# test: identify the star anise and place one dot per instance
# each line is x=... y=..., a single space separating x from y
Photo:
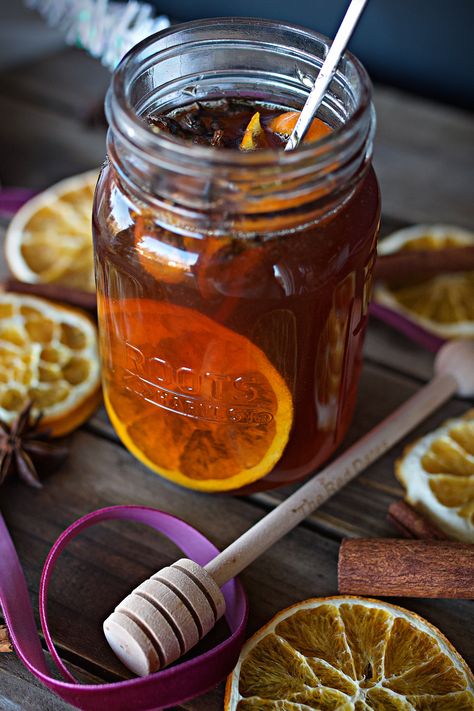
x=24 y=448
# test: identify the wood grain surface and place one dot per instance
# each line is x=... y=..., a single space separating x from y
x=50 y=128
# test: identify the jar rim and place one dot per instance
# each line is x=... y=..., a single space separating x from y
x=123 y=117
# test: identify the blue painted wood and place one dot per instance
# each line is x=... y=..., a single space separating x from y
x=424 y=46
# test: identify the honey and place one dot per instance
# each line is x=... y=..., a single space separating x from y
x=232 y=319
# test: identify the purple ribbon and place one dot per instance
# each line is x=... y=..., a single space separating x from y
x=11 y=199
x=165 y=688
x=409 y=329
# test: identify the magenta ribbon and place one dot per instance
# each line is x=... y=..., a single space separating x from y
x=165 y=688
x=11 y=199
x=404 y=325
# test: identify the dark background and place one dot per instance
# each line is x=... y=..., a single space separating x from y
x=423 y=46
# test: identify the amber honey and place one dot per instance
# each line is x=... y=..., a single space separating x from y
x=233 y=278
x=232 y=360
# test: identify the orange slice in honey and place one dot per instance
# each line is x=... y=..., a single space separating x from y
x=194 y=401
x=172 y=258
x=254 y=136
x=167 y=261
x=285 y=123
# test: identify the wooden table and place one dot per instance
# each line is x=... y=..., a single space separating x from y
x=424 y=158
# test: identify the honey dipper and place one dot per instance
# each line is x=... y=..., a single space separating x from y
x=171 y=611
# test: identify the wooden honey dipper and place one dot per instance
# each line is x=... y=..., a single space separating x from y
x=170 y=612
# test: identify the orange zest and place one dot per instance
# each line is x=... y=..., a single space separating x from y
x=194 y=401
x=254 y=136
x=282 y=125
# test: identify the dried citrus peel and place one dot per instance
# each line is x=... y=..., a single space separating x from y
x=254 y=136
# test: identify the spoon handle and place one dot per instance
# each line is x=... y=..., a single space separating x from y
x=326 y=72
x=321 y=487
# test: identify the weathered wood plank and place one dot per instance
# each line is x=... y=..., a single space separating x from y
x=360 y=508
x=424 y=154
x=105 y=562
x=68 y=82
x=114 y=558
x=21 y=691
x=39 y=147
x=346 y=516
x=386 y=347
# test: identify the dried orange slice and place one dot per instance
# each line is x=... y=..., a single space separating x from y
x=349 y=654
x=437 y=472
x=50 y=238
x=285 y=123
x=443 y=305
x=191 y=399
x=48 y=354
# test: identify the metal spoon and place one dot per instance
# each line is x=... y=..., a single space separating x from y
x=326 y=73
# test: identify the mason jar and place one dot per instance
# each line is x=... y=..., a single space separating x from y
x=233 y=286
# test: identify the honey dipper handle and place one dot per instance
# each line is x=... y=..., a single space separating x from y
x=321 y=487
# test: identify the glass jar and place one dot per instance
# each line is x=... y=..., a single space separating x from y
x=233 y=287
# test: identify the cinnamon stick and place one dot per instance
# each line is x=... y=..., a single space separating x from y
x=407 y=568
x=411 y=524
x=55 y=292
x=413 y=265
x=5 y=644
